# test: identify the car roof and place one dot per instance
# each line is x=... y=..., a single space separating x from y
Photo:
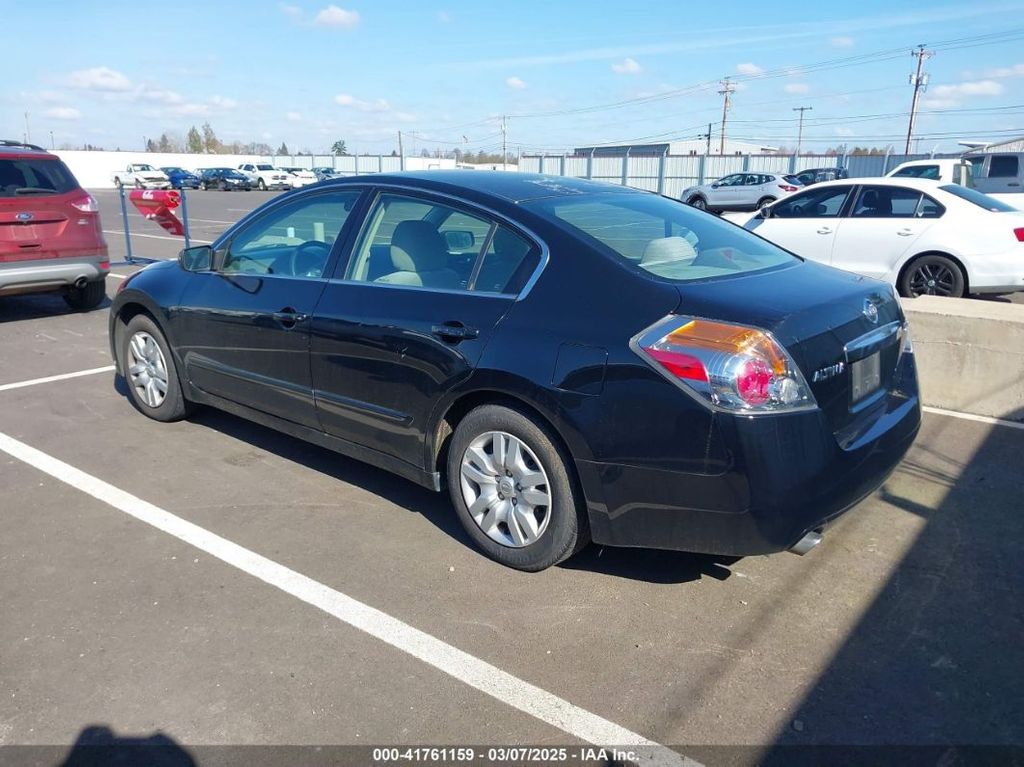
x=923 y=184
x=25 y=151
x=509 y=186
x=935 y=161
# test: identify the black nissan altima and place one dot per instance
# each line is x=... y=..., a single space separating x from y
x=572 y=361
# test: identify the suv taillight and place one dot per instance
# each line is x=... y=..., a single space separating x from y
x=86 y=204
x=734 y=367
x=788 y=187
x=1020 y=234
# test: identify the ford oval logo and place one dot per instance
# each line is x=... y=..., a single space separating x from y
x=24 y=217
x=870 y=311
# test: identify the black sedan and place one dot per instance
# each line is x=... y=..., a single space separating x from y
x=573 y=361
x=224 y=179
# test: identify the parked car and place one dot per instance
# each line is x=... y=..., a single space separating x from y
x=301 y=176
x=324 y=173
x=265 y=176
x=950 y=171
x=181 y=178
x=571 y=360
x=141 y=175
x=224 y=179
x=1000 y=174
x=924 y=237
x=817 y=175
x=740 y=191
x=51 y=238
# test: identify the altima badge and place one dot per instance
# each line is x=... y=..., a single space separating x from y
x=829 y=371
x=870 y=311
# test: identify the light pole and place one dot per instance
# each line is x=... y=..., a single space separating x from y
x=800 y=131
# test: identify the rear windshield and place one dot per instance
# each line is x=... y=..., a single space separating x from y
x=25 y=177
x=663 y=237
x=979 y=199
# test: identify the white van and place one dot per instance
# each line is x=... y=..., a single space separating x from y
x=950 y=171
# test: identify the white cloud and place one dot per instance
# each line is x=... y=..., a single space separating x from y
x=627 y=66
x=515 y=84
x=100 y=79
x=842 y=41
x=942 y=96
x=293 y=117
x=222 y=103
x=266 y=135
x=333 y=16
x=161 y=96
x=348 y=100
x=1017 y=70
x=290 y=10
x=749 y=69
x=344 y=99
x=444 y=17
x=796 y=88
x=191 y=108
x=63 y=113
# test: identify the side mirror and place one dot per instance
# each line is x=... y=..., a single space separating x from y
x=197 y=259
x=715 y=185
x=459 y=240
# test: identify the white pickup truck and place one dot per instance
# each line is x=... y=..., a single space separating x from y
x=265 y=176
x=142 y=176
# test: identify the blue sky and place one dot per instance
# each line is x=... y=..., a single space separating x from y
x=308 y=72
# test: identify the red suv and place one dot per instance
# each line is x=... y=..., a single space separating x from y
x=50 y=233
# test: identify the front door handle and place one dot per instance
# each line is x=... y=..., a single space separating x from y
x=288 y=318
x=905 y=232
x=825 y=230
x=454 y=331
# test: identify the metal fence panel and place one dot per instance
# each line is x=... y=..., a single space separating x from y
x=607 y=168
x=390 y=164
x=576 y=166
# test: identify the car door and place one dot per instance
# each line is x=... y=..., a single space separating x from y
x=806 y=222
x=749 y=191
x=408 y=317
x=884 y=223
x=722 y=193
x=243 y=329
x=1004 y=174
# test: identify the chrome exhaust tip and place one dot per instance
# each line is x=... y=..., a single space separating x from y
x=805 y=544
x=81 y=282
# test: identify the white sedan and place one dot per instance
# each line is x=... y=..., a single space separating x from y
x=923 y=237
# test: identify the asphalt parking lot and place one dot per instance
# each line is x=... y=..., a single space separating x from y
x=208 y=580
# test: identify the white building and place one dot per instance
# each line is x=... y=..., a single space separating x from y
x=694 y=146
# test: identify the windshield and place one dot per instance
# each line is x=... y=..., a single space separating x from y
x=662 y=237
x=19 y=178
x=264 y=167
x=172 y=170
x=979 y=199
x=234 y=174
x=142 y=167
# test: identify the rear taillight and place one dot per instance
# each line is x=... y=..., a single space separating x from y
x=734 y=367
x=86 y=204
x=1020 y=234
x=788 y=187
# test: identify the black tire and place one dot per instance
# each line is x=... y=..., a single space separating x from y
x=117 y=183
x=204 y=186
x=89 y=297
x=261 y=186
x=933 y=275
x=566 y=530
x=138 y=184
x=174 y=406
x=764 y=201
x=698 y=202
x=223 y=186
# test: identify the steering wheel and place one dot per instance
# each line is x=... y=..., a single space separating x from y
x=309 y=259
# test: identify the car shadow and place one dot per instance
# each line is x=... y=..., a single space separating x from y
x=39 y=305
x=98 y=746
x=651 y=566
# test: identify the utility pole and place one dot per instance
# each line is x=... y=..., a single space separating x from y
x=800 y=131
x=401 y=152
x=920 y=82
x=504 y=139
x=708 y=135
x=28 y=133
x=51 y=141
x=727 y=90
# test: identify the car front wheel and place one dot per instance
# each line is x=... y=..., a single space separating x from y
x=261 y=185
x=699 y=203
x=149 y=370
x=512 y=489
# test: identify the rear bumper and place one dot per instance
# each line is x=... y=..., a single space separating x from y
x=788 y=475
x=50 y=274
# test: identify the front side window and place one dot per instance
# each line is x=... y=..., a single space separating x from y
x=919 y=171
x=823 y=202
x=1004 y=166
x=734 y=180
x=661 y=237
x=294 y=240
x=887 y=202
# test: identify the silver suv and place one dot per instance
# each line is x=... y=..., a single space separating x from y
x=740 y=191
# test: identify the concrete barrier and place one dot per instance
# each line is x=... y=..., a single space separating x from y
x=970 y=354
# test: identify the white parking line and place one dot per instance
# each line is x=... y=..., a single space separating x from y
x=62 y=377
x=118 y=276
x=972 y=417
x=156 y=236
x=476 y=673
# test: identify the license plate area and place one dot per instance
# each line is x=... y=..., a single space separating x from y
x=865 y=377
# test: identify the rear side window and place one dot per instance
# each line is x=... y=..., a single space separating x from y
x=662 y=237
x=979 y=199
x=887 y=202
x=1004 y=166
x=27 y=177
x=823 y=202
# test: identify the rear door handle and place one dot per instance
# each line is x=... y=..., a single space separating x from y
x=905 y=232
x=825 y=230
x=1013 y=183
x=454 y=331
x=288 y=318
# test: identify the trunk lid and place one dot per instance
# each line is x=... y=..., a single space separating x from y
x=839 y=328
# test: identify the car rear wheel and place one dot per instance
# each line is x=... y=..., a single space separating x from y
x=765 y=201
x=152 y=378
x=204 y=186
x=511 y=487
x=933 y=275
x=85 y=298
x=699 y=203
